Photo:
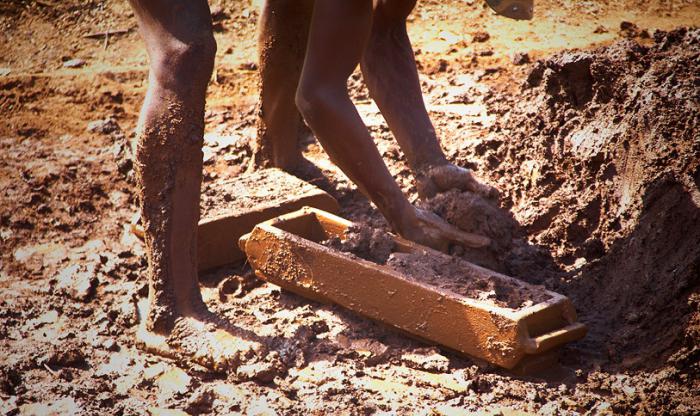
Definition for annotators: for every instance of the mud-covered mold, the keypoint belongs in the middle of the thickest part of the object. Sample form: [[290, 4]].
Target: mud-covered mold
[[245, 201], [288, 252]]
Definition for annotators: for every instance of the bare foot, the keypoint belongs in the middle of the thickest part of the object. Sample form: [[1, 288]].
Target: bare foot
[[426, 228], [445, 177], [202, 338], [286, 161]]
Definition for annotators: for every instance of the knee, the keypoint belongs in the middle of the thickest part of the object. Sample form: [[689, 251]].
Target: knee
[[177, 62], [314, 99]]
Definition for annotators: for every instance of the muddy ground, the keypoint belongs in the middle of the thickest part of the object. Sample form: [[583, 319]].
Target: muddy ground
[[595, 150]]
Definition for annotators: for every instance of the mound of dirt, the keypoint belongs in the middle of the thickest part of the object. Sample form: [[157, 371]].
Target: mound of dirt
[[602, 167]]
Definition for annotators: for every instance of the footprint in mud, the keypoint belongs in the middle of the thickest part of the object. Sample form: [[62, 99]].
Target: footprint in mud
[[206, 340]]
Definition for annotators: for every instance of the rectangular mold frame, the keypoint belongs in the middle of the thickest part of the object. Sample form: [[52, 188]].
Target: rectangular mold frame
[[286, 251]]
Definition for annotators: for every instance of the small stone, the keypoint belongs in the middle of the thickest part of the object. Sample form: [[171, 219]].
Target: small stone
[[74, 63], [174, 381], [106, 126], [110, 345], [78, 281], [629, 29], [370, 351], [426, 359], [264, 372], [480, 36], [521, 58]]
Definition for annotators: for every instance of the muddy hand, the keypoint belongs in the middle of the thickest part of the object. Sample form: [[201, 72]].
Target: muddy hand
[[430, 230], [445, 177]]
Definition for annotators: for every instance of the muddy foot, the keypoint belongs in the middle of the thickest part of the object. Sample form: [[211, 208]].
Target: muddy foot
[[204, 339], [445, 177]]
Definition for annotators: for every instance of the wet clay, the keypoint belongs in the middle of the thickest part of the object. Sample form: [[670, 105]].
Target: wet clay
[[367, 243], [437, 269], [253, 191], [606, 191], [598, 154], [453, 274], [475, 214]]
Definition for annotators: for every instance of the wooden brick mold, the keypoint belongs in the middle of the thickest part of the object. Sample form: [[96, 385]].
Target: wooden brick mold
[[286, 251], [242, 202]]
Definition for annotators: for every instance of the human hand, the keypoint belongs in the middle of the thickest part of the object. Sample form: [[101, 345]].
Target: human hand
[[426, 228], [442, 178]]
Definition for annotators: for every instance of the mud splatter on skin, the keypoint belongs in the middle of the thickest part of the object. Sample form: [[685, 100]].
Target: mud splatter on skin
[[166, 153], [279, 73]]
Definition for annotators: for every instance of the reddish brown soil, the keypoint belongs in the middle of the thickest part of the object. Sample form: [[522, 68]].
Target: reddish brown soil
[[364, 242], [450, 273], [594, 150]]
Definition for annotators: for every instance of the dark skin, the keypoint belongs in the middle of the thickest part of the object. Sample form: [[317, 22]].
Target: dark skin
[[181, 49], [341, 34]]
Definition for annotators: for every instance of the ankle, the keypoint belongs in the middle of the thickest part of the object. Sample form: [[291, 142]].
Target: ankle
[[288, 161], [425, 164]]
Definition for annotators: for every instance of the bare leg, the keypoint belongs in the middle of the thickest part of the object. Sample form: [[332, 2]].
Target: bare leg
[[181, 49], [283, 30], [338, 35], [389, 68]]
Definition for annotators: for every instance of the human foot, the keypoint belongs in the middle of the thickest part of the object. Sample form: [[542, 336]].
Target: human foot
[[426, 228], [269, 158], [437, 179], [200, 337]]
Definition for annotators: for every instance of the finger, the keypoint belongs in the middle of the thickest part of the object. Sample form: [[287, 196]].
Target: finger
[[468, 239], [453, 233], [455, 177]]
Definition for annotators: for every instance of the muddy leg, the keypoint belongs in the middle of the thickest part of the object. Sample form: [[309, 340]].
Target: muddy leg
[[338, 35], [282, 33], [389, 68], [181, 49]]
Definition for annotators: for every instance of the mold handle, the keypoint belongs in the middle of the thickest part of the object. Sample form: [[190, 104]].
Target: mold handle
[[555, 338], [242, 241]]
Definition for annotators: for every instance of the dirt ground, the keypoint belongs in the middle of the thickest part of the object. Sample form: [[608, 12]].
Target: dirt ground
[[587, 119]]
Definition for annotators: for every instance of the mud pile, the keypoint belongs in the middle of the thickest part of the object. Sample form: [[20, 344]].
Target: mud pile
[[599, 158], [364, 242], [436, 269]]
